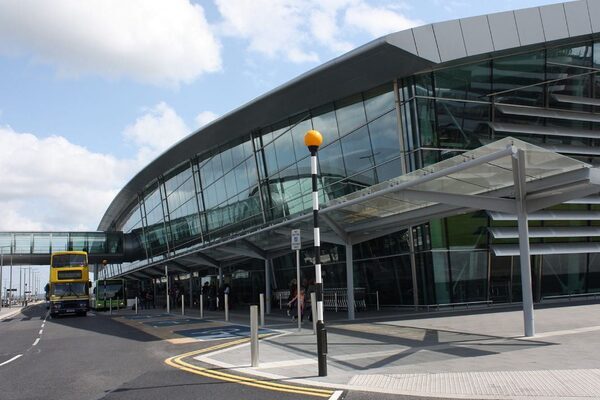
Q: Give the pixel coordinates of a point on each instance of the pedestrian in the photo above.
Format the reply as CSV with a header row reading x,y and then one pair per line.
x,y
293,305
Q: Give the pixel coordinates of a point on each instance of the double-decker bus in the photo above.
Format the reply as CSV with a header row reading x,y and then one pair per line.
x,y
69,286
108,293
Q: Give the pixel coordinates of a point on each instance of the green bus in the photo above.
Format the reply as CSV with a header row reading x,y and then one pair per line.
x,y
107,293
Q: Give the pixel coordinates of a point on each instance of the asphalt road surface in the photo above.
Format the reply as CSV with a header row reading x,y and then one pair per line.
x,y
98,357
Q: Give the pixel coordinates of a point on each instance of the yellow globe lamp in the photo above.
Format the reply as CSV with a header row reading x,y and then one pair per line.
x,y
313,139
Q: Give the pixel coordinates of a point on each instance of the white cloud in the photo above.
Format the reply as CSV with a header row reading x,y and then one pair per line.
x,y
155,131
50,183
164,42
293,29
204,118
377,21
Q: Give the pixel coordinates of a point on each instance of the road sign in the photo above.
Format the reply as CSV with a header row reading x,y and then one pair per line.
x,y
296,242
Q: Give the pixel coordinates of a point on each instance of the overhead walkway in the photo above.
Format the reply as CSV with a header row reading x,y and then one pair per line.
x,y
35,248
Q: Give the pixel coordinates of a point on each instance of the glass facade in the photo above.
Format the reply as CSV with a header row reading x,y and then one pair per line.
x,y
264,176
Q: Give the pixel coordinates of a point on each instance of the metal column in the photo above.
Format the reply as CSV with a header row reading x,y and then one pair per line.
x,y
350,280
518,165
267,286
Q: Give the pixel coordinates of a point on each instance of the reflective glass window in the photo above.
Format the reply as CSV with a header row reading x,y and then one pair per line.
x,y
563,274
378,102
298,133
331,161
41,243
385,137
466,82
514,75
350,114
358,155
325,122
284,147
60,242
469,272
270,159
566,62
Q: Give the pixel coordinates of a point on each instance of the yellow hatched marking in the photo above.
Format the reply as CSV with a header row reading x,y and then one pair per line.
x,y
177,362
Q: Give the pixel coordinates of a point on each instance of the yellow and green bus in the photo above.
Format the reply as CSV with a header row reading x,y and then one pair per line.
x,y
69,287
108,294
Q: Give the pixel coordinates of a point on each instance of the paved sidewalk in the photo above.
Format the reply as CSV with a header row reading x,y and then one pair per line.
x,y
481,356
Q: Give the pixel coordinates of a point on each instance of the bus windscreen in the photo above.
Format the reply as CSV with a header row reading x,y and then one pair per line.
x,y
69,289
68,260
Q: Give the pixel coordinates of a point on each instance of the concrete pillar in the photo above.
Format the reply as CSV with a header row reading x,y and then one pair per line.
x,y
350,280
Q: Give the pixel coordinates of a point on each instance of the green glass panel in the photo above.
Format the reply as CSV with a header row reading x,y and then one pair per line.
x,y
467,230
516,77
563,274
469,276
466,82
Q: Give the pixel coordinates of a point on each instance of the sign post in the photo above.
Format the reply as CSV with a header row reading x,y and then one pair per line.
x,y
296,245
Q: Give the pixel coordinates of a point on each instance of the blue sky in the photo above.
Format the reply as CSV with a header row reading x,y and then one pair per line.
x,y
91,91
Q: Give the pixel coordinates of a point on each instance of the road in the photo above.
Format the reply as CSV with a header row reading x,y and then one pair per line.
x,y
100,357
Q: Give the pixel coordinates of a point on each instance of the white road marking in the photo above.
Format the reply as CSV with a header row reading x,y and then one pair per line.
x,y
41,331
11,360
36,341
43,325
336,395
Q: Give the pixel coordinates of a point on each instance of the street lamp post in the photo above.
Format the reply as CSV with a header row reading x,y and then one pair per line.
x,y
313,139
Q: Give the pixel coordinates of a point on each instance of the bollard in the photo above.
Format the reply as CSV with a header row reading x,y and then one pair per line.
x,y
136,301
118,301
280,307
226,307
201,306
182,305
262,308
335,300
313,310
168,303
377,299
110,307
254,335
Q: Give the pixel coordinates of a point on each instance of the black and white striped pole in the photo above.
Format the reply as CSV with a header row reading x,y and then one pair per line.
x,y
313,140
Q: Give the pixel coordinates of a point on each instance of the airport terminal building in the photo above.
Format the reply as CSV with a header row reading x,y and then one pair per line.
x,y
221,203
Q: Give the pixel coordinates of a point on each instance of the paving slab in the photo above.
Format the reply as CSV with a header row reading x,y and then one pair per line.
x,y
483,356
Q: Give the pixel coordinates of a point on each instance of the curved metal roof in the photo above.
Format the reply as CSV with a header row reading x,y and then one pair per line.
x,y
380,61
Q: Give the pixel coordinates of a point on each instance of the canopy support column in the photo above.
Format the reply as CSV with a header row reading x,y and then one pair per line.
x,y
518,165
267,286
349,280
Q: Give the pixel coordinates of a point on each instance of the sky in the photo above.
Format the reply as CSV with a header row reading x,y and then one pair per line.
x,y
92,91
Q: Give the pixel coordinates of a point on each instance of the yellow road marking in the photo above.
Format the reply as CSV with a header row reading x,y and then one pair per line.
x,y
177,362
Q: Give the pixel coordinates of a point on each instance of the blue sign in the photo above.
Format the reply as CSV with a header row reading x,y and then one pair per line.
x,y
173,322
222,332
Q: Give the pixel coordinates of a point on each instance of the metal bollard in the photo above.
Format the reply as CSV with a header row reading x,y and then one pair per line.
x,y
377,298
335,300
261,298
280,307
254,335
226,307
118,301
168,303
182,305
110,307
201,306
313,307
136,304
